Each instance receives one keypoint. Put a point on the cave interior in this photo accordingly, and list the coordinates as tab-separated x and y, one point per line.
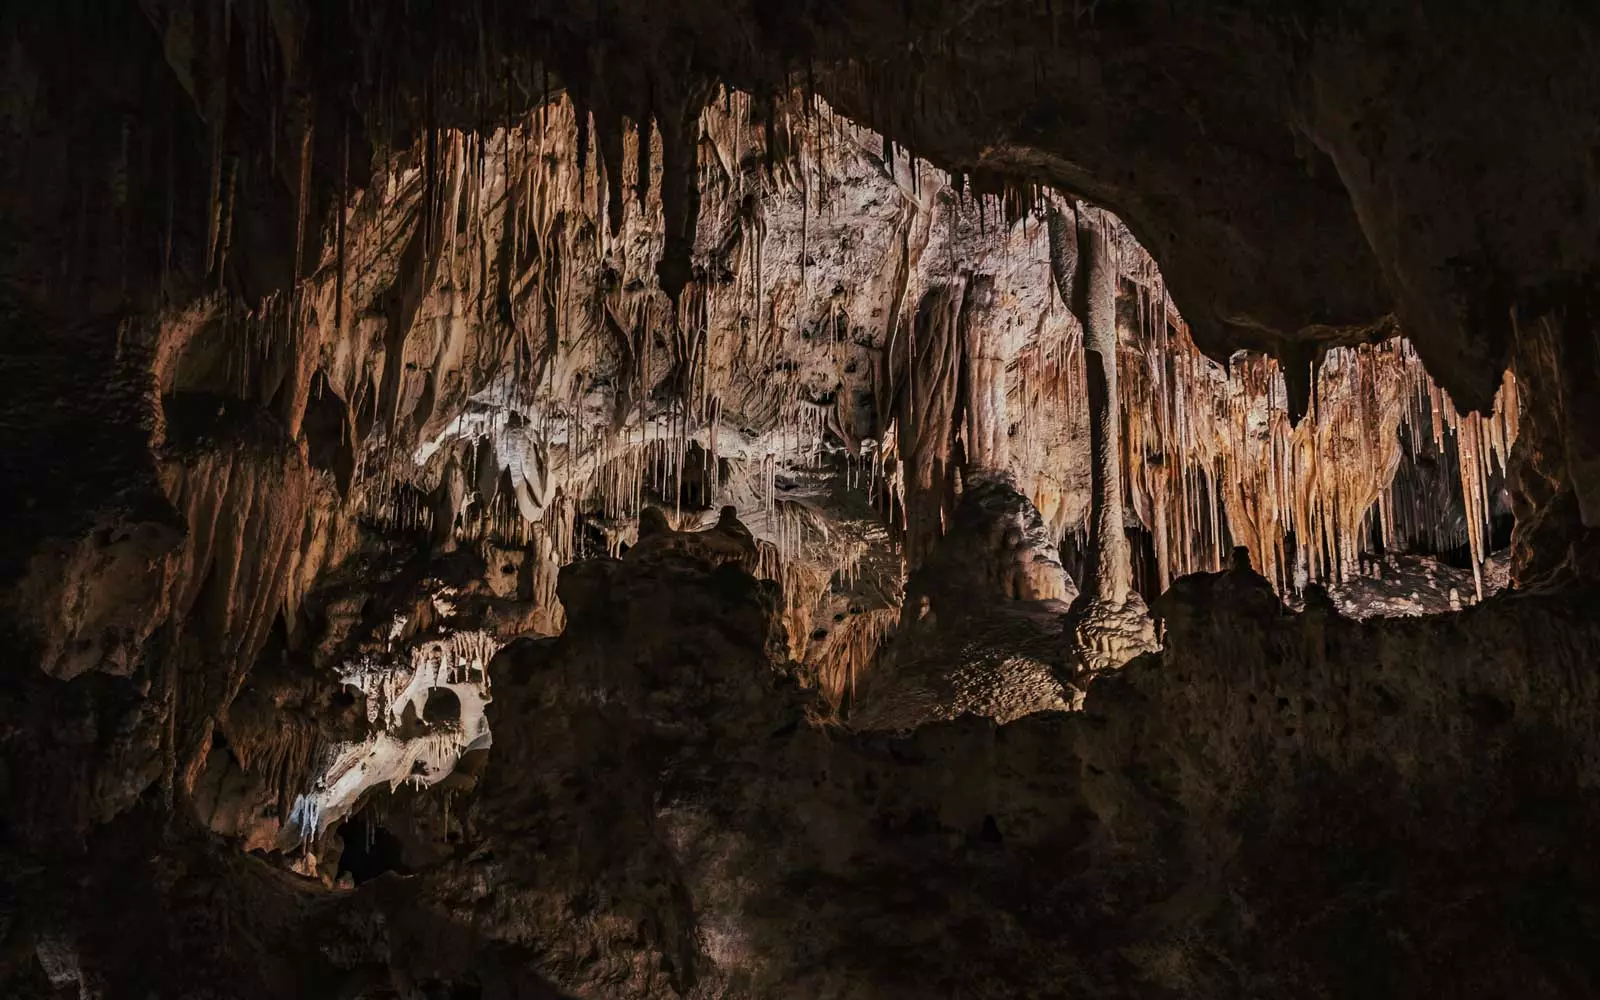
843	499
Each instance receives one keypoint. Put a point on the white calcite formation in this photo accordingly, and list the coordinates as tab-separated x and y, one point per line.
406	745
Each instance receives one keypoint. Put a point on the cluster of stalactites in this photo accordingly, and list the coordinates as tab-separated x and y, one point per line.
1483	443
567	189
395	693
513	220
1212	458
511	224
1216	461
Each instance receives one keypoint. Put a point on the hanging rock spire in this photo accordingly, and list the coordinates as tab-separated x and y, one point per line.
678	118
985	379
1061	228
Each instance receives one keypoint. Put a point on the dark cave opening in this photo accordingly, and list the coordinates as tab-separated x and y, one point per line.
443	705
369	850
1430	509
686	479
1460	556
327	429
451	991
1074	552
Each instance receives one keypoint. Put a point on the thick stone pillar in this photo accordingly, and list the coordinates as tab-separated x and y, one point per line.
927	368
1095	302
1108	623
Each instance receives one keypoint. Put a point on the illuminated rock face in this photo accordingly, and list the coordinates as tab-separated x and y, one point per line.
482	350
416	743
480	359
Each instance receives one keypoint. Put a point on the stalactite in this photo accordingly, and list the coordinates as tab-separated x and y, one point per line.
1208	458
225	238
342	224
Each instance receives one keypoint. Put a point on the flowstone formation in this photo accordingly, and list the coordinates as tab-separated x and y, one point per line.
880	499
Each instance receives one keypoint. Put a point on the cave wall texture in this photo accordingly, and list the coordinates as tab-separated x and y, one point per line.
580	498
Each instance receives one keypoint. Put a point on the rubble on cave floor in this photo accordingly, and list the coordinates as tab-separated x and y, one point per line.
1393	586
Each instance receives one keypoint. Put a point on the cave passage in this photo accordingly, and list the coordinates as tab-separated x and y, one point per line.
369	850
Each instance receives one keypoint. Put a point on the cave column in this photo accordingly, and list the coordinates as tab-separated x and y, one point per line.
1108	624
1095	301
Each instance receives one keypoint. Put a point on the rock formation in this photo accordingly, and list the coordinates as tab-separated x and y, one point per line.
1109	622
